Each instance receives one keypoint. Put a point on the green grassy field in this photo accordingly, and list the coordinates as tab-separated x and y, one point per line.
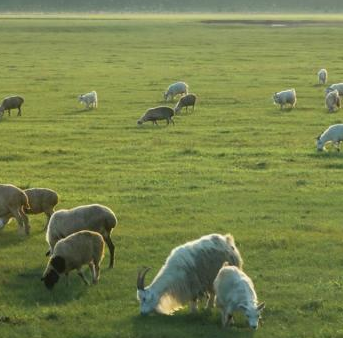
237	164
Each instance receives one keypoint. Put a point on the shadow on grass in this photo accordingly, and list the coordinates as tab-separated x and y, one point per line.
204	324
27	289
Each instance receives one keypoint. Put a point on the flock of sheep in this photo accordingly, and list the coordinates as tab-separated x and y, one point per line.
334	134
210	266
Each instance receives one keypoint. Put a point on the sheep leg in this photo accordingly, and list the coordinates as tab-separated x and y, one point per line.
337	145
19	111
172	121
26	221
80	273
111	247
95	269
22	220
210	301
93	272
226	317
48	214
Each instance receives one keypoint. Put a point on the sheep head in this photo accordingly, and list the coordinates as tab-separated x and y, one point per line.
56	266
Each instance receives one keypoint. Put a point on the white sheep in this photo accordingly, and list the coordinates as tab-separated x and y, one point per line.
334	135
93	217
187	274
235	292
335	86
13	200
285	97
89	99
176	89
71	253
333	101
41	200
322	76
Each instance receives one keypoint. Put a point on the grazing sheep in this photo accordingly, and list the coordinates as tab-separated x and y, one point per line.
11	102
12	203
235	291
335	86
285	97
157	113
41	200
187	274
93	217
333	101
89	99
71	253
334	135
322	76
176	89
185	101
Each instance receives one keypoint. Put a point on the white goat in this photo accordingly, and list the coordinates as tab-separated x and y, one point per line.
285	97
334	135
187	274
235	291
338	86
322	76
89	99
175	89
333	101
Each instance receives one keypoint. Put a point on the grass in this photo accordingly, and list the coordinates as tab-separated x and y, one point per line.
237	164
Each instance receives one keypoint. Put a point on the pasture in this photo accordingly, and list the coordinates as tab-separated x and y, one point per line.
237	164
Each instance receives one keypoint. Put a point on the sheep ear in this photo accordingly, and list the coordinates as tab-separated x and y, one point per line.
58	263
261	306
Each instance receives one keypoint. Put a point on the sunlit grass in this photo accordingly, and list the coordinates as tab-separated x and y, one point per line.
237	164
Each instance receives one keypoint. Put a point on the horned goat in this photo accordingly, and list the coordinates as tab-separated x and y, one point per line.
187	274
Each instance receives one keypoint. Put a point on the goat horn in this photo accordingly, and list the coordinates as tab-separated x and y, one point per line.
140	278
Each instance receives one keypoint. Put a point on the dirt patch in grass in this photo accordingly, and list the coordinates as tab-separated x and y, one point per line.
276	23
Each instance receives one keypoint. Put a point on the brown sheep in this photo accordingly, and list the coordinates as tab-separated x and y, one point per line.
157	113
41	200
186	101
11	102
71	253
13	201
